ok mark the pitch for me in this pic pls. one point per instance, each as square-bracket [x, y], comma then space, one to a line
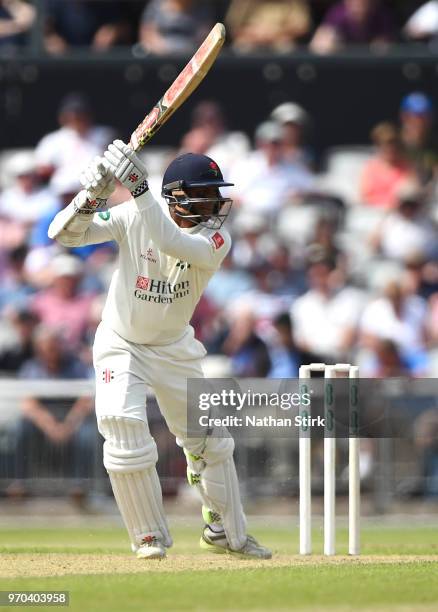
[398, 571]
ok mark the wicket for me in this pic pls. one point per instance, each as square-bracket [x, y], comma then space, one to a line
[305, 474]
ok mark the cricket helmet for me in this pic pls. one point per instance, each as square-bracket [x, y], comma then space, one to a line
[189, 171]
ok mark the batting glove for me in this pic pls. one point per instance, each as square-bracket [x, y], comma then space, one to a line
[98, 182]
[127, 167]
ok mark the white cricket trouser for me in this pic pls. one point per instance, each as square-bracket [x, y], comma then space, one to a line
[123, 372]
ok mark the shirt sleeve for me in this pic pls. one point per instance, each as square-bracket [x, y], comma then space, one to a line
[204, 250]
[105, 226]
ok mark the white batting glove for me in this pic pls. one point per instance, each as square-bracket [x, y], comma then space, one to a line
[127, 167]
[98, 181]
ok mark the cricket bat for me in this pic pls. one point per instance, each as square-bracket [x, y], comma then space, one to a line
[183, 86]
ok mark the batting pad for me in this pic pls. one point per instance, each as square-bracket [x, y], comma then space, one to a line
[219, 490]
[129, 456]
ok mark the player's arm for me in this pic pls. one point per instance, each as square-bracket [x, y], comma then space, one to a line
[77, 224]
[197, 249]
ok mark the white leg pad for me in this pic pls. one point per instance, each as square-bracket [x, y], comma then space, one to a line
[130, 455]
[219, 489]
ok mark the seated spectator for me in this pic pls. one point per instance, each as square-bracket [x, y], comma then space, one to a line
[68, 150]
[251, 240]
[228, 283]
[422, 25]
[384, 362]
[416, 118]
[16, 19]
[407, 231]
[62, 305]
[209, 136]
[62, 430]
[248, 352]
[295, 122]
[385, 173]
[285, 357]
[354, 22]
[275, 25]
[325, 318]
[98, 24]
[20, 349]
[24, 202]
[399, 316]
[324, 242]
[264, 180]
[15, 289]
[174, 26]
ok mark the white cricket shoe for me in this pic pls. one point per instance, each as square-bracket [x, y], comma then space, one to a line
[151, 548]
[217, 543]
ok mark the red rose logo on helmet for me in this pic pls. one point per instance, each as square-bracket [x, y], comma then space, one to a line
[214, 168]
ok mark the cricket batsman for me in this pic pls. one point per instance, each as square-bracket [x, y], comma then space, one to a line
[166, 257]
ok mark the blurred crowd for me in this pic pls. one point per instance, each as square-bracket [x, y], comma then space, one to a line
[331, 262]
[177, 26]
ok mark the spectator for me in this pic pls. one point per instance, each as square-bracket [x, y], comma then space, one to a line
[416, 117]
[229, 283]
[98, 24]
[15, 289]
[20, 349]
[16, 19]
[209, 136]
[265, 181]
[285, 357]
[64, 429]
[385, 173]
[274, 25]
[251, 240]
[249, 354]
[422, 25]
[295, 122]
[399, 316]
[24, 202]
[63, 306]
[69, 149]
[174, 26]
[354, 22]
[325, 318]
[385, 361]
[407, 231]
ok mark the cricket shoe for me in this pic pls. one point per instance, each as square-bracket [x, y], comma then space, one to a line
[151, 548]
[216, 542]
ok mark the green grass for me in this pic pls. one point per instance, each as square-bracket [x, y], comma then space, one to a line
[404, 584]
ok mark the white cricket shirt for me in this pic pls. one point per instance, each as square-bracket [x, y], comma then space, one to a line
[162, 270]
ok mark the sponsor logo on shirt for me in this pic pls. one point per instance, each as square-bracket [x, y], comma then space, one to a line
[148, 256]
[218, 240]
[105, 215]
[159, 291]
[142, 282]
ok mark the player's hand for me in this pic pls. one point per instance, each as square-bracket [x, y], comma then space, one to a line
[127, 167]
[97, 180]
